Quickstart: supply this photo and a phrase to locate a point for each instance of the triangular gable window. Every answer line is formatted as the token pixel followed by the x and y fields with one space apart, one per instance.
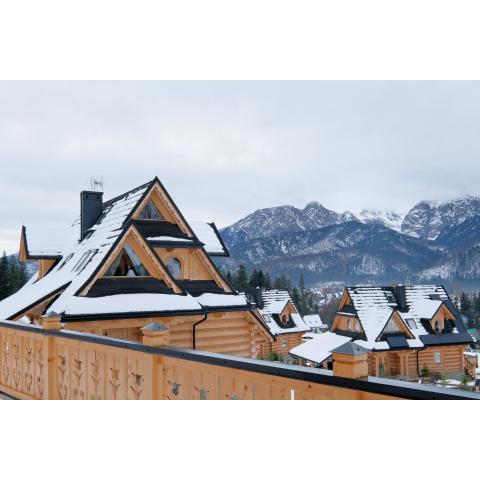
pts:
pixel 391 327
pixel 150 212
pixel 127 264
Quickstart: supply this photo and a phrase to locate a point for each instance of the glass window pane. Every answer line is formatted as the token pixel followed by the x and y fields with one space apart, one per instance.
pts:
pixel 151 212
pixel 175 268
pixel 137 264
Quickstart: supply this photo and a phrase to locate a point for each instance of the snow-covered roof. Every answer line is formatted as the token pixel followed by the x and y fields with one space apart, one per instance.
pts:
pixel 164 238
pixel 274 303
pixel 80 262
pixel 148 302
pixel 46 240
pixel 295 324
pixel 320 347
pixel 208 234
pixel 374 306
pixel 313 321
pixel 273 297
pixel 275 307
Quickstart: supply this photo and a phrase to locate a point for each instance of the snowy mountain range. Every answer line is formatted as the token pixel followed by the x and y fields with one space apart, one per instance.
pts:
pixel 434 241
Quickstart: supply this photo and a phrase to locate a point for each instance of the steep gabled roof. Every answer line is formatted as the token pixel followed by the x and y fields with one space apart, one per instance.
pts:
pixel 82 261
pixel 375 305
pixel 274 303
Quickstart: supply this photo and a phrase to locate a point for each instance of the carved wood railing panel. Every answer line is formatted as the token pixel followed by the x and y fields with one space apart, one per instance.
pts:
pixel 22 363
pixel 40 364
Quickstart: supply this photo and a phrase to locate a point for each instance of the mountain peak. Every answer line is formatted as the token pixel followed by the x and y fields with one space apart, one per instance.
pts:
pixel 313 204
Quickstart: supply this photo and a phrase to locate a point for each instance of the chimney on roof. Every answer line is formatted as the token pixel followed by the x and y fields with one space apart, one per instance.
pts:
pixel 91 207
pixel 257 294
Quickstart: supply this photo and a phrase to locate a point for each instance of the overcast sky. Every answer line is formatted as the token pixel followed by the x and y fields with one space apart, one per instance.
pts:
pixel 224 149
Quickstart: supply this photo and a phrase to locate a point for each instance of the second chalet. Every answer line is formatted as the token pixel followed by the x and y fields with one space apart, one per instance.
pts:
pixel 407 330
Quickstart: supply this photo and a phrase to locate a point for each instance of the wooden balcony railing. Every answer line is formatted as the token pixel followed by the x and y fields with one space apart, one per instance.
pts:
pixel 37 363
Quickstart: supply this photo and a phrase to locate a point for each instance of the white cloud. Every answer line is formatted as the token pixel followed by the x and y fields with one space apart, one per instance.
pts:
pixel 225 149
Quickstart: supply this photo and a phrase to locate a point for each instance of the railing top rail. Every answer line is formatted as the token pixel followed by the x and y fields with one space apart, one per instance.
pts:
pixel 383 386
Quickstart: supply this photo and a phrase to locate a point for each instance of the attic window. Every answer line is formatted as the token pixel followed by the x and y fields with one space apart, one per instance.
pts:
pixel 85 259
pixel 127 264
pixel 150 212
pixel 412 324
pixel 175 268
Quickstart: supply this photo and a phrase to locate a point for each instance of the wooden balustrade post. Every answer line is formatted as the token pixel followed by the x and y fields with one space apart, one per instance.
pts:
pixel 156 335
pixel 51 322
pixel 350 361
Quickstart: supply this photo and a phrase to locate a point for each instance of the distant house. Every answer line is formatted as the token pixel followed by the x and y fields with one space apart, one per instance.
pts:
pixel 315 323
pixel 282 319
pixel 406 329
pixel 131 261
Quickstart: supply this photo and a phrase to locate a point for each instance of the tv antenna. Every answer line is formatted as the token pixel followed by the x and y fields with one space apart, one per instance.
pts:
pixel 97 184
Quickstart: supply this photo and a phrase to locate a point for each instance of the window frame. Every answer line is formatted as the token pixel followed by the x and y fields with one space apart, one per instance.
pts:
pixel 180 265
pixel 149 205
pixel 85 259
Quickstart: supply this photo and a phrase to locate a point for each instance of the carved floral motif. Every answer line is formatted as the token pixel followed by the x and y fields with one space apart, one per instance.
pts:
pixel 16 372
pixel 62 386
pixel 78 393
pixel 96 377
pixel 6 358
pixel 115 381
pixel 136 386
pixel 40 380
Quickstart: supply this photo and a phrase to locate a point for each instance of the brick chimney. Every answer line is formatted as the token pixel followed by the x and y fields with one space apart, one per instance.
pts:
pixel 91 207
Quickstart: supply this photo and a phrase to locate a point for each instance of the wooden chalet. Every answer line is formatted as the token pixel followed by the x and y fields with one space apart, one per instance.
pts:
pixel 282 319
pixel 135 262
pixel 404 329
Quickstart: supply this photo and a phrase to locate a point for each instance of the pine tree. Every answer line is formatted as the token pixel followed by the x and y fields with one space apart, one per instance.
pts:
pixel 295 294
pixel 3 276
pixel 257 279
pixel 282 283
pixel 17 275
pixel 465 304
pixel 302 285
pixel 476 305
pixel 268 281
pixel 241 279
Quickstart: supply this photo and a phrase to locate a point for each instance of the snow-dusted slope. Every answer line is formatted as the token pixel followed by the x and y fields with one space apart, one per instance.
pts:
pixel 278 220
pixel 387 218
pixel 427 219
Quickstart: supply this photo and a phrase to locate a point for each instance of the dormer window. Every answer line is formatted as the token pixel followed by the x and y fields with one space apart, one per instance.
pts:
pixel 437 326
pixel 151 212
pixel 85 259
pixel 127 264
pixel 175 268
pixel 412 324
pixel 390 297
